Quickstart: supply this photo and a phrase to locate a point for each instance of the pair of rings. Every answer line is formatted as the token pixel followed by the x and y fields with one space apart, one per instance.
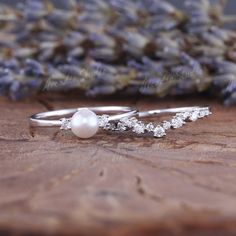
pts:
pixel 85 122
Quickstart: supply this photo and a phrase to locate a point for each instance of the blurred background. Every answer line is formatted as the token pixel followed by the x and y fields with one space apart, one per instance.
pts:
pixel 230 8
pixel 104 47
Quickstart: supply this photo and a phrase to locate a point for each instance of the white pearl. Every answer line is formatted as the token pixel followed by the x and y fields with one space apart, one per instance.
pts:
pixel 84 123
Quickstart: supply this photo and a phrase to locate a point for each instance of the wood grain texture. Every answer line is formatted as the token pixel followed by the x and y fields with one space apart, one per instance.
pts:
pixel 52 183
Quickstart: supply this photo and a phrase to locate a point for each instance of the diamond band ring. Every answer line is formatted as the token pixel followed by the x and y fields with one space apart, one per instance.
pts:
pixel 158 130
pixel 85 122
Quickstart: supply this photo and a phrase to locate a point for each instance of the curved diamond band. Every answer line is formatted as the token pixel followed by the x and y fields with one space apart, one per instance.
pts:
pixel 182 115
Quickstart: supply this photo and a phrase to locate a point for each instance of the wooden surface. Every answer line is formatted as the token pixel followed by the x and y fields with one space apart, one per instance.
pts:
pixel 52 183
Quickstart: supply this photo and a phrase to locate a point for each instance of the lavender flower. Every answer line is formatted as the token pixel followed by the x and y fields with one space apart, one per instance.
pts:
pixel 105 46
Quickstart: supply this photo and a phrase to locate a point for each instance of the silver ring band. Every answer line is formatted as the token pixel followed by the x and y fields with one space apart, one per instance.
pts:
pixel 43 119
pixel 170 110
pixel 182 115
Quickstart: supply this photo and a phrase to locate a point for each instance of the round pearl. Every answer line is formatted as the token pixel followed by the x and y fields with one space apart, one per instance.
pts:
pixel 84 123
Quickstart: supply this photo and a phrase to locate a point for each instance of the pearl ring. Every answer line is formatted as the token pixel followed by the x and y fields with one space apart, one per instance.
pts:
pixel 84 122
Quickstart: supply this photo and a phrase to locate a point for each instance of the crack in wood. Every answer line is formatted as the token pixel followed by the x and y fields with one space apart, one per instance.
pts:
pixel 56 182
pixel 171 169
pixel 2 139
pixel 141 191
pixel 146 162
pixel 32 131
pixel 54 137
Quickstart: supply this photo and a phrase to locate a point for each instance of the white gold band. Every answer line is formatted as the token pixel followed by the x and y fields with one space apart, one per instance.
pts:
pixel 171 110
pixel 44 118
pixel 84 122
pixel 158 130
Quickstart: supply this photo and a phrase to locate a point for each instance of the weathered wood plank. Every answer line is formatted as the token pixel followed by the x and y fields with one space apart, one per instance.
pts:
pixel 117 184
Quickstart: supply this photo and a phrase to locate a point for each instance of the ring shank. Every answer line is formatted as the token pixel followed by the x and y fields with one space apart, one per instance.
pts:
pixel 170 110
pixel 45 118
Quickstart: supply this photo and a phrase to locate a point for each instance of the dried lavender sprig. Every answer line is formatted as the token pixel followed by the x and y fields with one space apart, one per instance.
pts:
pixel 98 78
pixel 164 42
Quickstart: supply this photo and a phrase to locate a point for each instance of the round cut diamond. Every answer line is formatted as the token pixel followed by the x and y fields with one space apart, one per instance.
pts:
pixel 128 122
pixel 103 121
pixel 194 116
pixel 183 115
pixel 150 127
pixel 65 124
pixel 166 125
pixel 133 121
pixel 121 126
pixel 110 126
pixel 202 114
pixel 177 122
pixel 139 128
pixel 159 132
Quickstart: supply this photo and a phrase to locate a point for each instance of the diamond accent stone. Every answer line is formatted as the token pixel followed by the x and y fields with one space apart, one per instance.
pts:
pixel 139 128
pixel 128 122
pixel 194 116
pixel 133 122
pixel 121 126
pixel 65 124
pixel 110 126
pixel 103 121
pixel 202 114
pixel 159 132
pixel 183 115
pixel 166 125
pixel 177 122
pixel 150 127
